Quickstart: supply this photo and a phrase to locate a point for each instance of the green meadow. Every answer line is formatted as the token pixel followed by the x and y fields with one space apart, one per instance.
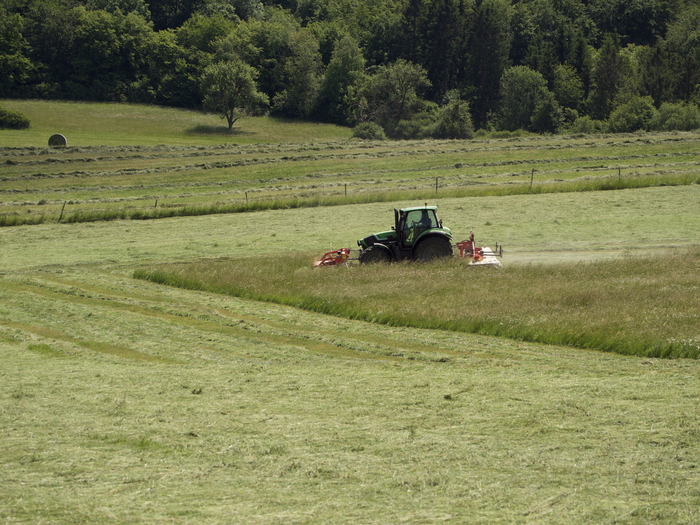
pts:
pixel 260 390
pixel 151 164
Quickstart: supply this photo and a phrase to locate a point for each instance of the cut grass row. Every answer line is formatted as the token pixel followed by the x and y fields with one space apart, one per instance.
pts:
pixel 121 210
pixel 645 306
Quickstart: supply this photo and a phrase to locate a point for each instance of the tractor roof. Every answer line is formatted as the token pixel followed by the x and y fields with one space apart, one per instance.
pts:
pixel 419 208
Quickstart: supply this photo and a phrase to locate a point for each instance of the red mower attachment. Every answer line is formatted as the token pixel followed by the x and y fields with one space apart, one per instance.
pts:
pixel 469 249
pixel 334 258
pixel 481 256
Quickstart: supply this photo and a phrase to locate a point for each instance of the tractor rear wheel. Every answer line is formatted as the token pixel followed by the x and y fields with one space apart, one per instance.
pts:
pixel 433 248
pixel 374 255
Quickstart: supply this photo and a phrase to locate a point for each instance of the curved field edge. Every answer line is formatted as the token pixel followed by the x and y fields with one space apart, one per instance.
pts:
pixel 639 306
pixel 602 184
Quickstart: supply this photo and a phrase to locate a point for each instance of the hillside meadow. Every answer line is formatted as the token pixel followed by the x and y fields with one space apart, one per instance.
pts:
pixel 165 169
pixel 128 401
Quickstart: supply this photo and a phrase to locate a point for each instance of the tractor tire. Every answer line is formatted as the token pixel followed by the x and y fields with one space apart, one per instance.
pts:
pixel 433 248
pixel 374 255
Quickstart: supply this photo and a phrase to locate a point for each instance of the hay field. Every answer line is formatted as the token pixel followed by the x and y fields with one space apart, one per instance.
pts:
pixel 164 169
pixel 125 401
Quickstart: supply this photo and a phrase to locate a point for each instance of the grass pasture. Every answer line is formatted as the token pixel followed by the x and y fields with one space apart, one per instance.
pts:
pixel 127 401
pixel 173 172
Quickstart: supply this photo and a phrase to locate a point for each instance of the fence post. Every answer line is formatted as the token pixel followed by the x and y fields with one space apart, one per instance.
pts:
pixel 532 177
pixel 64 207
pixel 436 185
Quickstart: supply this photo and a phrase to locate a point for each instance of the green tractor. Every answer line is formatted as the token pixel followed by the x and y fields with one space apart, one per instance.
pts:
pixel 417 235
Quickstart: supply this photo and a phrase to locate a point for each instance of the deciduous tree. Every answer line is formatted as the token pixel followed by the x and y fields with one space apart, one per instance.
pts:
pixel 229 89
pixel 343 74
pixel 522 89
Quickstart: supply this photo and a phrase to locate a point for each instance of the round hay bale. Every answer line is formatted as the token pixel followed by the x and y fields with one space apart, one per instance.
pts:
pixel 57 140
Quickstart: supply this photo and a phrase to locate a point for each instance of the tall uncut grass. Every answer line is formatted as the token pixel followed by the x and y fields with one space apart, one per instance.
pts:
pixel 645 306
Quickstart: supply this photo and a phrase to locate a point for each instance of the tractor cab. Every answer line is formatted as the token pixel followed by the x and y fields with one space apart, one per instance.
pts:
pixel 411 223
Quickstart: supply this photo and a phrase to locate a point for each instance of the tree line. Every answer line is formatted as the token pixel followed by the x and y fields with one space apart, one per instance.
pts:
pixel 404 68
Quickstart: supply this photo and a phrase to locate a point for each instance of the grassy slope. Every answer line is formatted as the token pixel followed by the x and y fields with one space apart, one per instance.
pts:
pixel 127 402
pixel 99 124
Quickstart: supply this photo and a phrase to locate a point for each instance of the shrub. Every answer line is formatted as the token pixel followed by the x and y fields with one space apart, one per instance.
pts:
pixel 500 135
pixel 368 131
pixel 636 115
pixel 454 121
pixel 419 127
pixel 12 120
pixel 587 125
pixel 676 117
pixel 548 116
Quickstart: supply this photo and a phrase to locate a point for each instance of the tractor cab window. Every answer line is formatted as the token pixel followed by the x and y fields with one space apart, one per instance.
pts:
pixel 416 222
pixel 432 219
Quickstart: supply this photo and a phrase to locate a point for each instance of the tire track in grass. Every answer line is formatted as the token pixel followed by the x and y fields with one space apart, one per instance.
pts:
pixel 222 322
pixel 96 346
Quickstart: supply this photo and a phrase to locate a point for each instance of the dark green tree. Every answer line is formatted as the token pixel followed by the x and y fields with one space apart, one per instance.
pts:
pixel 50 30
pixel 389 95
pixel 568 87
pixel 171 14
pixel 523 30
pixel 657 77
pixel 639 22
pixel 203 32
pixel 579 55
pixel 15 67
pixel 138 7
pixel 232 9
pixel 606 78
pixel 108 55
pixel 683 45
pixel 542 57
pixel 173 73
pixel 267 45
pixel 447 34
pixel 522 90
pixel 303 78
pixel 547 116
pixel 489 45
pixel 343 75
pixel 413 28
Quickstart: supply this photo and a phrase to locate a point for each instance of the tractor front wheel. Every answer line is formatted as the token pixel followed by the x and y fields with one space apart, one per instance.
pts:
pixel 433 248
pixel 374 255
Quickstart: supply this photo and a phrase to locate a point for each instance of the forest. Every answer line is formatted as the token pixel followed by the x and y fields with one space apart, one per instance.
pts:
pixel 396 68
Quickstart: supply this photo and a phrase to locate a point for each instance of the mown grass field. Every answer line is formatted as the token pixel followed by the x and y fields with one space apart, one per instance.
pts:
pixel 175 171
pixel 126 401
